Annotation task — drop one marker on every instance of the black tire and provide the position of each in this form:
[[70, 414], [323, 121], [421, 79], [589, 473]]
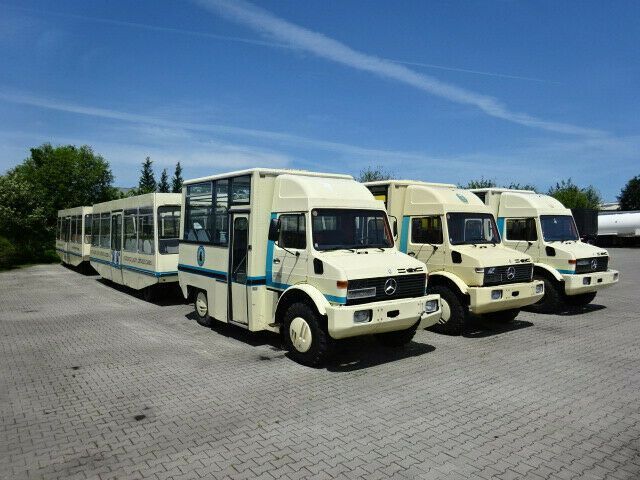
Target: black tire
[[504, 316], [201, 309], [580, 300], [399, 338], [553, 299], [458, 311], [314, 352]]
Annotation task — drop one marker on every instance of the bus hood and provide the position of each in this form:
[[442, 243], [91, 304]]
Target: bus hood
[[372, 263], [577, 250], [490, 255]]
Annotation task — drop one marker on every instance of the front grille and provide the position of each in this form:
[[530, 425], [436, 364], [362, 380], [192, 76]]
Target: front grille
[[407, 286], [594, 264], [500, 275]]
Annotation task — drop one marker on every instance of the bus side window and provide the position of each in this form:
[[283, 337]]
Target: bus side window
[[426, 230], [168, 229], [95, 229], [521, 229], [198, 210], [87, 229], [145, 231], [292, 231]]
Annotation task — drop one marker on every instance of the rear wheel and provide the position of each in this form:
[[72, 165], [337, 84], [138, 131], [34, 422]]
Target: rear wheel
[[306, 339], [454, 312], [503, 316], [581, 300], [552, 301], [201, 306], [397, 339]]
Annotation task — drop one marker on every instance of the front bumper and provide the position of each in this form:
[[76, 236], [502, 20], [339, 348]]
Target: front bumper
[[574, 284], [514, 295], [388, 316]]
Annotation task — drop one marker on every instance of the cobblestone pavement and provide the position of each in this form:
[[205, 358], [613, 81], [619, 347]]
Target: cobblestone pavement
[[96, 383]]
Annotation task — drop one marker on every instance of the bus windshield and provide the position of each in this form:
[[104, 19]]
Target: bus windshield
[[472, 228], [335, 229], [558, 228]]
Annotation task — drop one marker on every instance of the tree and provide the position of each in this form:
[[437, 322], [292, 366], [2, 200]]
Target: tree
[[176, 181], [51, 179], [572, 196], [629, 197], [481, 183], [522, 186], [147, 183], [372, 174], [163, 185]]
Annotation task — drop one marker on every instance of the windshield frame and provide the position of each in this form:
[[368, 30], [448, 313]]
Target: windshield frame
[[479, 215], [573, 227], [373, 212]]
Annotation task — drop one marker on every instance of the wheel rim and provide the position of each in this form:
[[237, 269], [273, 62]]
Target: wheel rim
[[446, 311], [300, 334], [201, 304]]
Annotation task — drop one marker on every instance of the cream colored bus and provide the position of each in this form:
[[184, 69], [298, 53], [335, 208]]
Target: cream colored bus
[[73, 235], [309, 255], [135, 240], [455, 234]]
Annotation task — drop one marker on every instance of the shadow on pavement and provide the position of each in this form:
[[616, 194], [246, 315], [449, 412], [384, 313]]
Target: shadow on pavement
[[364, 352], [481, 328], [163, 295], [572, 311]]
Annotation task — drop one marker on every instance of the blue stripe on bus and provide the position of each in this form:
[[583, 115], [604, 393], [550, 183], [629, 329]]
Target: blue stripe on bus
[[567, 272], [68, 251], [217, 274], [500, 223], [404, 234], [143, 271]]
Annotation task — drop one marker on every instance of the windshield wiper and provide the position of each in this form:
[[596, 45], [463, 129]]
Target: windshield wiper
[[333, 249]]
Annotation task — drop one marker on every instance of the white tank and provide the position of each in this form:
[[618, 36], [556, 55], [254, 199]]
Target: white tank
[[621, 224]]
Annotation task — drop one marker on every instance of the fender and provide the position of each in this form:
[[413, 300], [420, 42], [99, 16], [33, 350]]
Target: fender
[[549, 269], [312, 292], [454, 278]]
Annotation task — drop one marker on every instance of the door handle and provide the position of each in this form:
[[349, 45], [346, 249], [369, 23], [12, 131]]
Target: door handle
[[276, 260]]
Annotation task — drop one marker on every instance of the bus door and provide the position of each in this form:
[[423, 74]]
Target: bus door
[[238, 261], [67, 238], [116, 244]]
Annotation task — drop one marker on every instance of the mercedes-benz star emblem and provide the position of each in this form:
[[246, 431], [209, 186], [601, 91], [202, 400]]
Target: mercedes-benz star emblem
[[390, 286], [511, 273], [594, 264]]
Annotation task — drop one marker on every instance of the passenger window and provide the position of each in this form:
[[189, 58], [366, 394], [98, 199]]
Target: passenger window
[[116, 232], [198, 213], [292, 231], [105, 230], [95, 229], [241, 190], [221, 224], [87, 229], [74, 237], [426, 230], [522, 229], [168, 229], [130, 231], [145, 231]]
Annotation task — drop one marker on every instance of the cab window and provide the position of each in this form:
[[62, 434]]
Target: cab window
[[521, 229], [426, 230], [292, 231]]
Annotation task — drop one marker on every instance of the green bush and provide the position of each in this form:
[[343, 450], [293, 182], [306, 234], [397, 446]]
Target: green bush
[[7, 254]]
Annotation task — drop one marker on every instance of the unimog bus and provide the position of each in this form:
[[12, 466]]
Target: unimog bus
[[135, 241], [454, 233], [308, 255], [73, 236], [539, 225]]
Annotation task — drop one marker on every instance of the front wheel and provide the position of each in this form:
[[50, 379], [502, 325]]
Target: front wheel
[[305, 338], [503, 316], [397, 339], [581, 300], [454, 312], [552, 301], [201, 305]]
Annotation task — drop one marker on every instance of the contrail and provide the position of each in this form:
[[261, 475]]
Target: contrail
[[325, 47]]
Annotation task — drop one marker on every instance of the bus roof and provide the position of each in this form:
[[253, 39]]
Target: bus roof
[[268, 171], [500, 190], [411, 182]]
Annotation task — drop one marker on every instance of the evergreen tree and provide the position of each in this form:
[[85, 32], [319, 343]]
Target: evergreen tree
[[176, 181], [147, 183], [163, 185]]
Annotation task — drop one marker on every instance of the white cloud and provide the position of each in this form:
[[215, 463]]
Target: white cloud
[[325, 47]]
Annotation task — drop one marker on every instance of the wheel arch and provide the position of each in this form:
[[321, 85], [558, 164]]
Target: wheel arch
[[449, 280], [301, 293], [542, 269]]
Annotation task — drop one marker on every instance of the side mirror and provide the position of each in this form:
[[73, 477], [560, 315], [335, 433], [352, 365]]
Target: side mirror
[[394, 226], [274, 230]]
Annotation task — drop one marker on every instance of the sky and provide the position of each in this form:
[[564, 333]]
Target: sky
[[444, 91]]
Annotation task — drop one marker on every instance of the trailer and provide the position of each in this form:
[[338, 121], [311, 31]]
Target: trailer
[[620, 229], [73, 236]]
